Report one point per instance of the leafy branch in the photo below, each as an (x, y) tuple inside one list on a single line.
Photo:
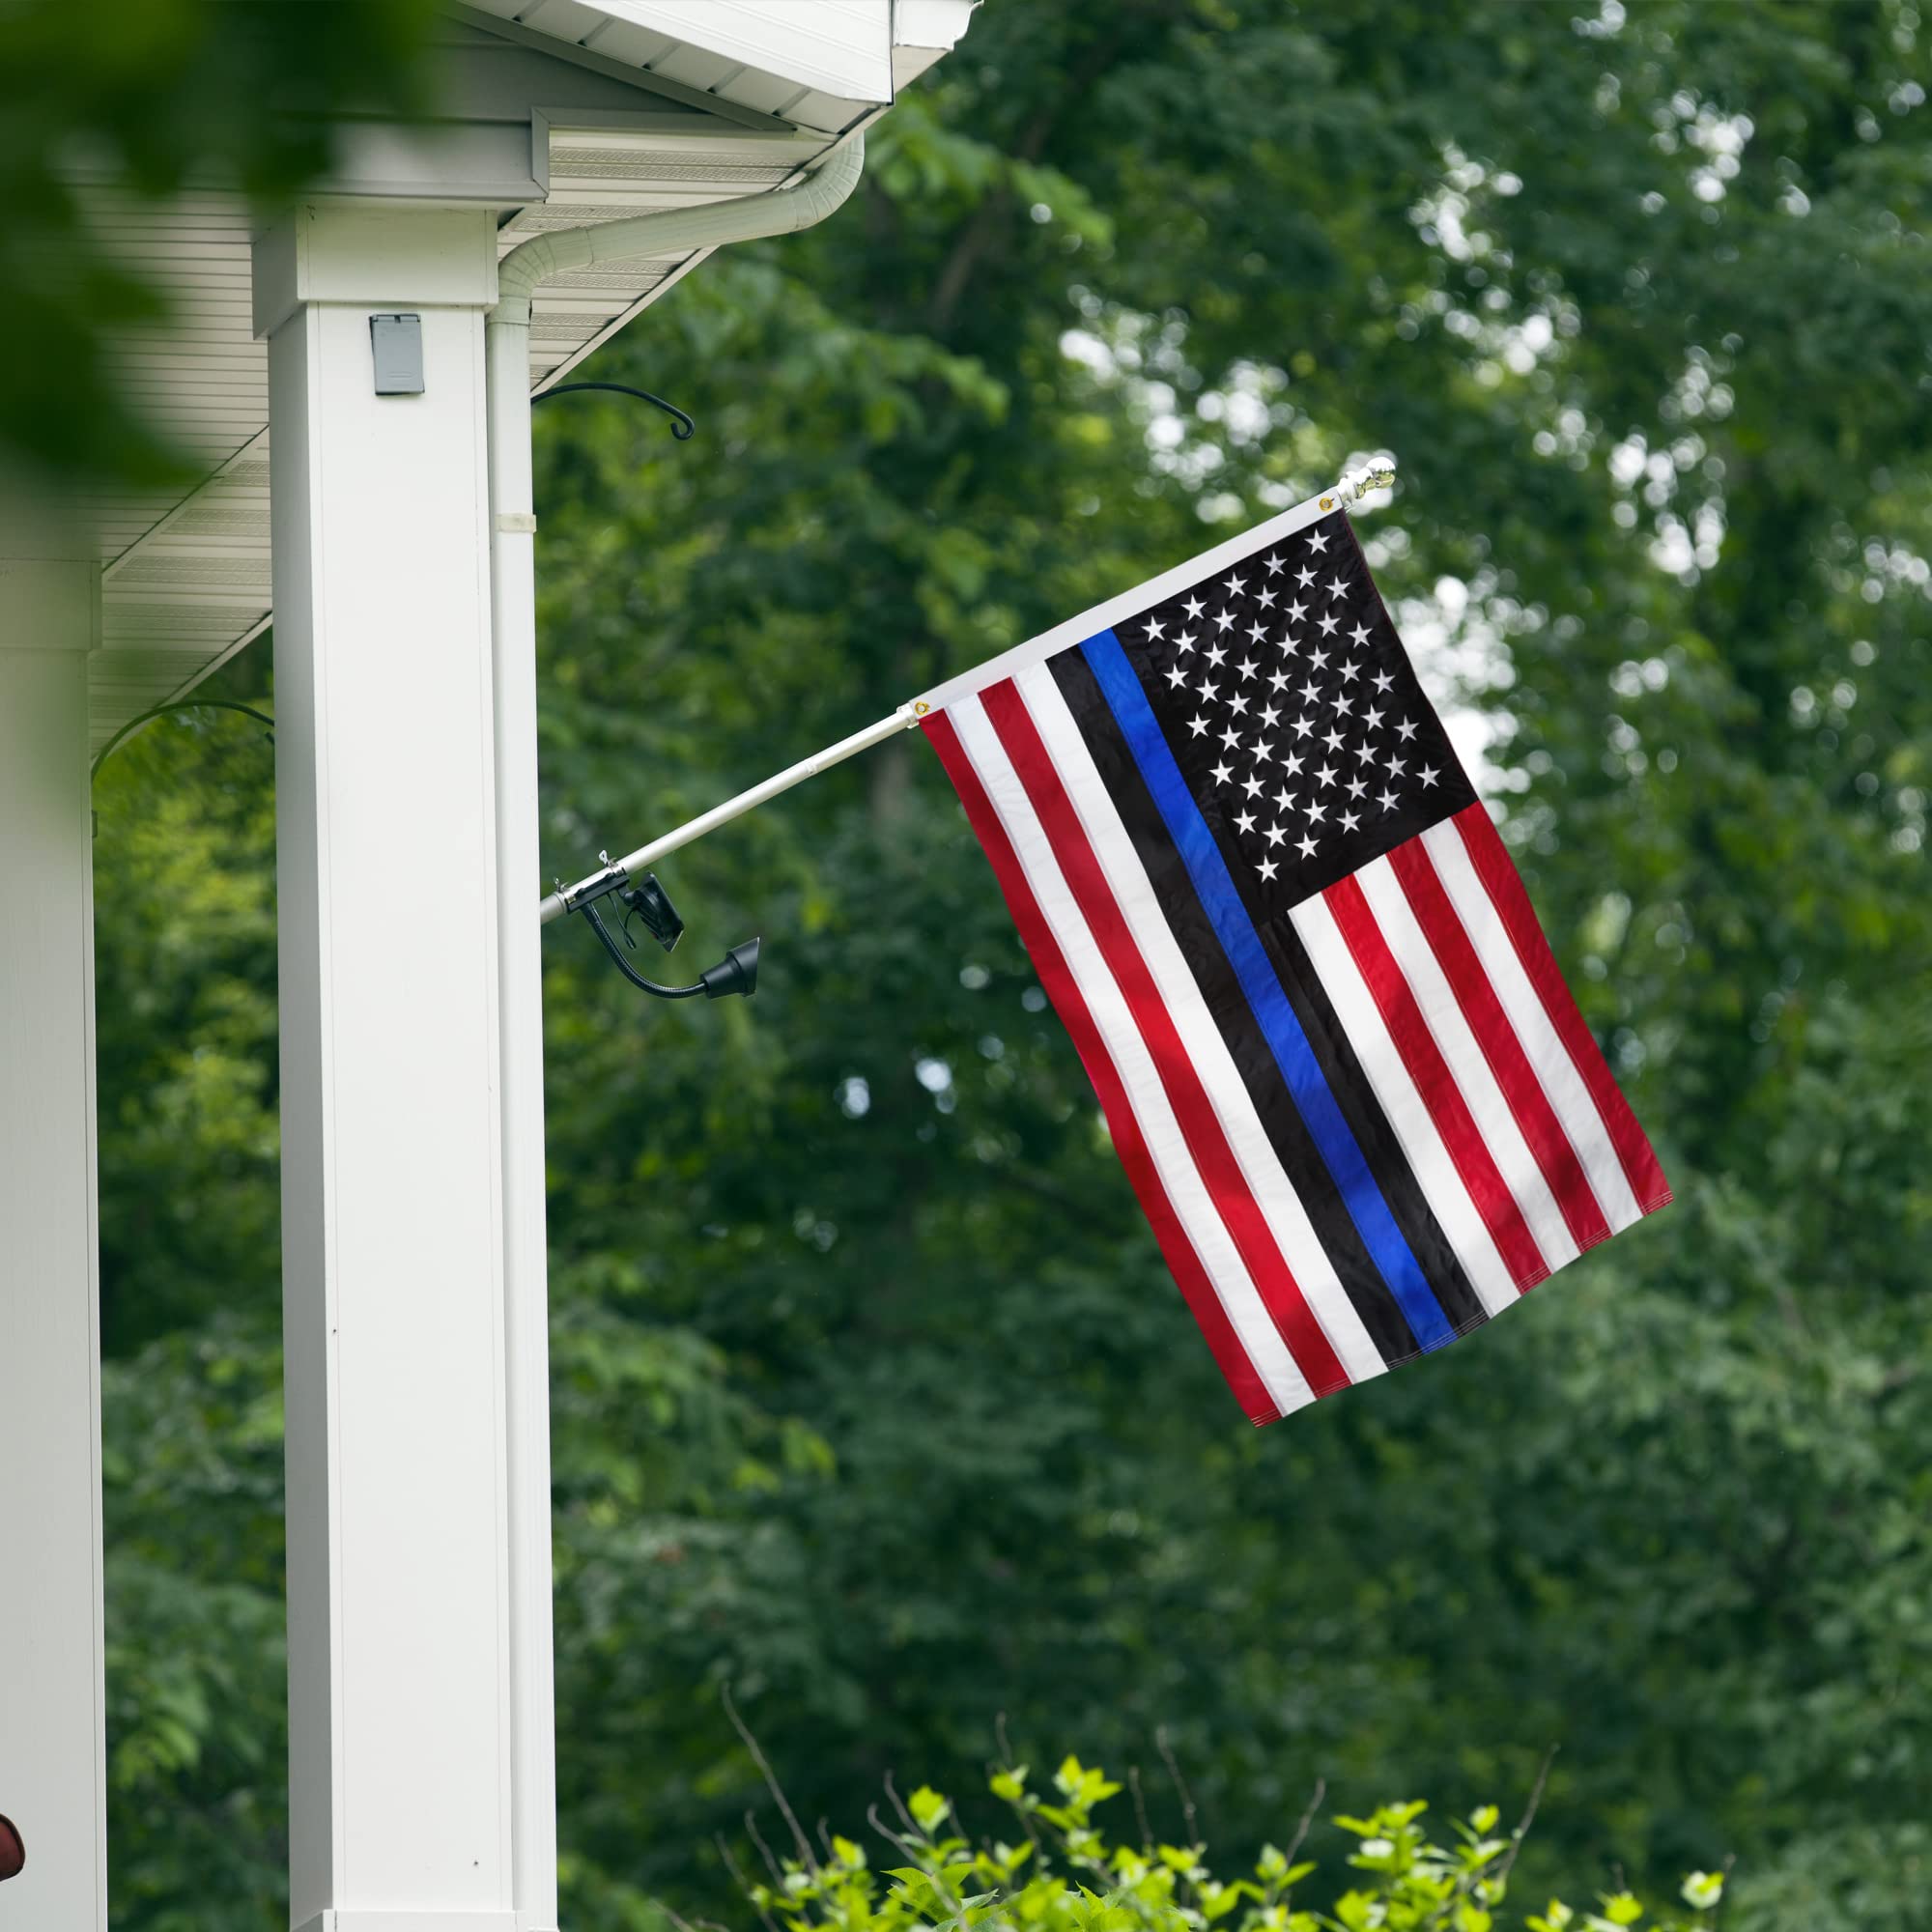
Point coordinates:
[(1061, 1872)]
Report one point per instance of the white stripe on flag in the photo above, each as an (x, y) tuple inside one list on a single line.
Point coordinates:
[(1429, 1160), (1194, 1206), (1460, 1051), (1556, 1071), (1181, 994)]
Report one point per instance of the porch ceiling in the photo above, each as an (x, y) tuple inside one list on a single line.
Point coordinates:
[(711, 102)]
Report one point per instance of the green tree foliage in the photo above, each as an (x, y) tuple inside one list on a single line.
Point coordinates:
[(871, 1395)]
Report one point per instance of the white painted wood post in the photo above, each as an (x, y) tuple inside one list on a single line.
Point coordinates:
[(410, 1779), (53, 1752)]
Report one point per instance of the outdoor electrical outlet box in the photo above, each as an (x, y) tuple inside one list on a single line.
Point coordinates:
[(398, 343)]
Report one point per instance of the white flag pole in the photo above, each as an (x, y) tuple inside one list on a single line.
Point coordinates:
[(616, 872)]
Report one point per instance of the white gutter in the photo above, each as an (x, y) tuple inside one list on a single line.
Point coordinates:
[(677, 231), (519, 964)]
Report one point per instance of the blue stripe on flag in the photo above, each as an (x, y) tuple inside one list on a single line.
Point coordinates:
[(1292, 1053)]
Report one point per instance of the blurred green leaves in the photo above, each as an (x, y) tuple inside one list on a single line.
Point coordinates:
[(146, 98)]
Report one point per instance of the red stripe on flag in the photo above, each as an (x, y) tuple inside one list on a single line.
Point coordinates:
[(1200, 1127), (1123, 1124), (1455, 954), (1402, 1015), (1505, 888)]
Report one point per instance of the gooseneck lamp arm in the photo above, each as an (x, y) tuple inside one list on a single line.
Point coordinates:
[(630, 972), (736, 973)]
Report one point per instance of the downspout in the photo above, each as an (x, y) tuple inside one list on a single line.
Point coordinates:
[(519, 974)]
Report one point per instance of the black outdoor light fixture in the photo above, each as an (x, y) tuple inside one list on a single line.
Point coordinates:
[(647, 900)]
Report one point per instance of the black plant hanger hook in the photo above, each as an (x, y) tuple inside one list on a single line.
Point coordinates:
[(682, 427)]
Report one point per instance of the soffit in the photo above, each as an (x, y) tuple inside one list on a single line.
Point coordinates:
[(187, 577), (821, 65), (559, 114)]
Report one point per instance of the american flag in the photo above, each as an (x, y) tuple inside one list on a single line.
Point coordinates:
[(1335, 1054)]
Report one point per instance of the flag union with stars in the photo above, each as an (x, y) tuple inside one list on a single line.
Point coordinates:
[(1337, 1059), (1290, 704)]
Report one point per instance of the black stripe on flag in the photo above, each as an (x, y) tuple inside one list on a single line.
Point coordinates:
[(1370, 1124), (1460, 1304), (1345, 607), (1338, 1060), (1221, 989)]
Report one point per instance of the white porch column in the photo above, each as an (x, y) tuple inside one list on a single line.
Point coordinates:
[(418, 1764), (52, 1751)]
